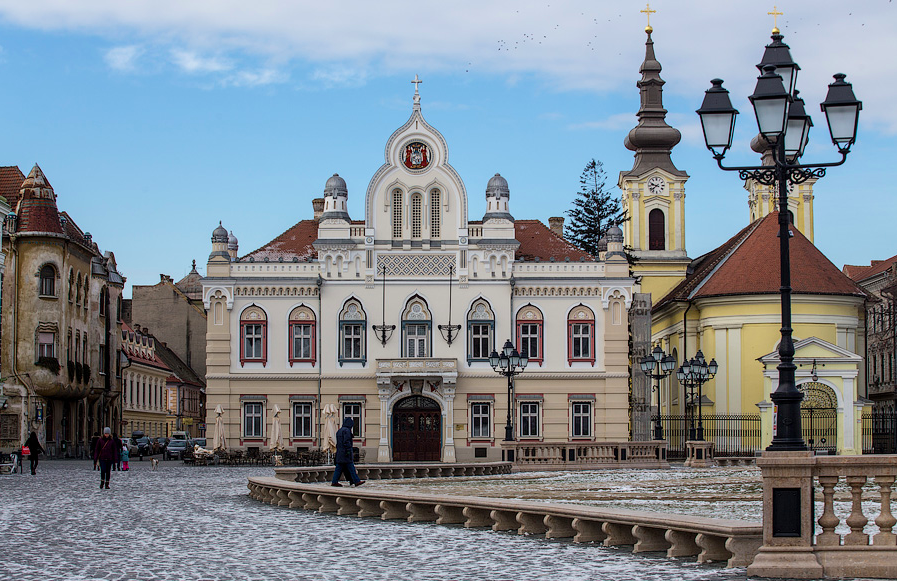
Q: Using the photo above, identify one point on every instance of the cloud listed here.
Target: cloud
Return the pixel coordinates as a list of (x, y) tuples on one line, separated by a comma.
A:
[(340, 76), (192, 63), (255, 78), (123, 58)]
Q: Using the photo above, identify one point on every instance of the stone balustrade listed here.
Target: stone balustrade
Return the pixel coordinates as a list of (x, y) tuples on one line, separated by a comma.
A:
[(582, 455), (395, 470), (708, 539), (791, 547)]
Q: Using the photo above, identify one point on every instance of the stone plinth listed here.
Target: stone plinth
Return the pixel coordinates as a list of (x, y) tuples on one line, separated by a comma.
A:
[(699, 454)]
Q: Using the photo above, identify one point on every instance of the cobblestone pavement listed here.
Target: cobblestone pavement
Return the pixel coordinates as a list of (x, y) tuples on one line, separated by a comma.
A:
[(198, 523)]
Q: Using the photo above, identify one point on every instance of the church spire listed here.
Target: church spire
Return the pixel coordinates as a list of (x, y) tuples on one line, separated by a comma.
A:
[(652, 139)]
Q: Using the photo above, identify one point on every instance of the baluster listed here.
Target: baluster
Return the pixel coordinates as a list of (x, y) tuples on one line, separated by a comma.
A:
[(857, 520), (885, 520), (828, 521)]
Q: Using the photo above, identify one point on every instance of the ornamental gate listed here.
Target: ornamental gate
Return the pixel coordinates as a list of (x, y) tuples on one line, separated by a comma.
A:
[(819, 416), (416, 430)]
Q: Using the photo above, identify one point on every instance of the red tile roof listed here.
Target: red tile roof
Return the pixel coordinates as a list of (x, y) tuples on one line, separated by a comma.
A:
[(860, 273), (748, 264), (11, 178), (295, 242), (131, 343), (37, 209), (538, 241)]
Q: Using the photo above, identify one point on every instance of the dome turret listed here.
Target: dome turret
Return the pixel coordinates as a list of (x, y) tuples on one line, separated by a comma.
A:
[(498, 195), (219, 244), (233, 245), (219, 234), (336, 197)]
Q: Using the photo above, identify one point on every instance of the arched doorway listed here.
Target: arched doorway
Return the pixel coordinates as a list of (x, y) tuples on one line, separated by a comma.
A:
[(819, 416), (416, 430)]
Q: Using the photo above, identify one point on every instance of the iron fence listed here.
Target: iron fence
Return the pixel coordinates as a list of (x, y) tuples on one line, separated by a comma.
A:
[(735, 435), (820, 429), (880, 432)]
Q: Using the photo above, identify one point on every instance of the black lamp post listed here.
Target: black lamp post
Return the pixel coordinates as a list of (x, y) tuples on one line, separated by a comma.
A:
[(509, 363), (658, 365), (384, 331), (693, 374), (783, 122), (449, 332)]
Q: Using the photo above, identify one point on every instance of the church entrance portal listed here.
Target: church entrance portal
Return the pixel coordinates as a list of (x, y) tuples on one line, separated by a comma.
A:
[(416, 430)]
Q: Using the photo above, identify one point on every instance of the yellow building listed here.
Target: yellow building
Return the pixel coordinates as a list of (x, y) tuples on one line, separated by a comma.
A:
[(726, 303)]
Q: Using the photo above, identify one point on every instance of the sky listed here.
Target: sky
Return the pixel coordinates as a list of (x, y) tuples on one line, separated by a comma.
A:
[(155, 119)]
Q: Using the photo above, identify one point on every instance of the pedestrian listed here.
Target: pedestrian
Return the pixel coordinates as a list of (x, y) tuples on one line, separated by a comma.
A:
[(344, 456), (34, 448), (107, 454), (125, 456), (93, 447)]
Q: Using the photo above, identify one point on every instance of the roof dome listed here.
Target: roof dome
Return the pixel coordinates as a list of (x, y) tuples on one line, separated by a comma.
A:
[(336, 186), (219, 234), (614, 234), (602, 244), (497, 187), (232, 242)]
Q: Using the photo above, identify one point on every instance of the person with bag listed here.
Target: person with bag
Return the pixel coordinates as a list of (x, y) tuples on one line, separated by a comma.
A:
[(106, 454), (344, 456), (32, 447)]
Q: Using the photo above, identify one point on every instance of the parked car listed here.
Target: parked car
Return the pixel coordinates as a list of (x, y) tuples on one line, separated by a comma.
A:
[(132, 446), (144, 448), (175, 450)]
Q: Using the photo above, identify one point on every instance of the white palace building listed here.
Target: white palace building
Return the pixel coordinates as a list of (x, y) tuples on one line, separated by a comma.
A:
[(356, 314)]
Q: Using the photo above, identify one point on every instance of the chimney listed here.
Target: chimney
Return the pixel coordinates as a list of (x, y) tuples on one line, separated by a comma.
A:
[(556, 224), (318, 205)]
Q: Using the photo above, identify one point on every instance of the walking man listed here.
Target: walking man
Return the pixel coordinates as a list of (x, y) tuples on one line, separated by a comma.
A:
[(106, 454), (344, 456)]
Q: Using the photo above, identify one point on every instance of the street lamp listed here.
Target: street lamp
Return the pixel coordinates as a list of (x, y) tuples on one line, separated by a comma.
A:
[(509, 363), (658, 365), (784, 124), (695, 373)]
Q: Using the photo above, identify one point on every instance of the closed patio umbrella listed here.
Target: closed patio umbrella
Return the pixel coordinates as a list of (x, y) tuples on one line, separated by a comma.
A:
[(219, 443), (331, 421), (276, 437)]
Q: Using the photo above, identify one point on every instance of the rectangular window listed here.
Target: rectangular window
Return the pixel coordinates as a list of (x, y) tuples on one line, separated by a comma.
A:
[(479, 421), (302, 342), (46, 345), (529, 420), (480, 340), (581, 340), (102, 362), (416, 341), (352, 341), (253, 419), (353, 410), (435, 214), (302, 420), (530, 340), (253, 342), (582, 419)]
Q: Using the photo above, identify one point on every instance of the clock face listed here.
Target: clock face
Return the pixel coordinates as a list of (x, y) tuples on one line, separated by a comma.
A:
[(656, 185)]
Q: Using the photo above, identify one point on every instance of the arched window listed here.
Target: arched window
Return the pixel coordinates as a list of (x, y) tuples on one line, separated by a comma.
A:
[(581, 335), (302, 335), (47, 281), (656, 230), (104, 296), (253, 336), (78, 290), (397, 200), (416, 203), (480, 331), (71, 285), (352, 325), (529, 333), (435, 214), (416, 327)]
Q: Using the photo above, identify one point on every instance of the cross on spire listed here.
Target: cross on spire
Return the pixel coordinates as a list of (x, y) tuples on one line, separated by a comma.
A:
[(416, 82), (775, 18), (648, 12)]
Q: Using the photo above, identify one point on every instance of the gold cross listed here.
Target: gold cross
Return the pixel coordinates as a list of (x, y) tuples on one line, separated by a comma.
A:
[(648, 12), (775, 17)]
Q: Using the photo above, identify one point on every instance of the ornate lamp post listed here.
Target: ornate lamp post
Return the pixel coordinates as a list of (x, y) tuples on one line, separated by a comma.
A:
[(658, 365), (695, 373), (449, 331), (509, 363), (784, 124), (384, 331)]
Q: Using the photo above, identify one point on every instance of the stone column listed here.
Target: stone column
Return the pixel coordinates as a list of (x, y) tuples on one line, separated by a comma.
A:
[(385, 416), (448, 451)]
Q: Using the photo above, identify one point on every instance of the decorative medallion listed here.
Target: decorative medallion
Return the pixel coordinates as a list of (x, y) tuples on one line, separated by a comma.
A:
[(416, 155)]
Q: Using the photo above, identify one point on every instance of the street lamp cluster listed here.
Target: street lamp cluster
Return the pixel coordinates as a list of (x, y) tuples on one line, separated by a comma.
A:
[(508, 363), (658, 365), (694, 373), (785, 125)]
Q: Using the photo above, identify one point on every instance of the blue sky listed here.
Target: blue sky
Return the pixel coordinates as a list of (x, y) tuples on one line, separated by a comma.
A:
[(154, 120)]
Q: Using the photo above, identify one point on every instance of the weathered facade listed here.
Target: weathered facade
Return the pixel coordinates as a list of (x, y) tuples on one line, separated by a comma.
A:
[(61, 333), (356, 313)]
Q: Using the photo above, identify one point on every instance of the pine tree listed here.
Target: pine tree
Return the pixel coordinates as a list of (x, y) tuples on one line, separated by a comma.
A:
[(595, 209)]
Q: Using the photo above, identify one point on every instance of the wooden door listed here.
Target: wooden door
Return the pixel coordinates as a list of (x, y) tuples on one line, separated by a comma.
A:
[(416, 430)]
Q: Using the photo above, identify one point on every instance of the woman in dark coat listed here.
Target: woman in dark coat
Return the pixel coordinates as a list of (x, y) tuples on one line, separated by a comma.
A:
[(34, 445), (344, 456), (106, 454)]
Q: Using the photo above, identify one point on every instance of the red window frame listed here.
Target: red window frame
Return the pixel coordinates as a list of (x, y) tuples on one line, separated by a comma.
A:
[(591, 357), (314, 351), (243, 358), (541, 358)]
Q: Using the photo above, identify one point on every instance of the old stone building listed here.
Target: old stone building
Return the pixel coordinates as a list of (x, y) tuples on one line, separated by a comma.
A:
[(392, 319), (144, 385), (61, 334)]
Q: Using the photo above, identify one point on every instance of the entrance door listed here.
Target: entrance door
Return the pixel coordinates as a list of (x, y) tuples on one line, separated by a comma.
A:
[(819, 416), (416, 430)]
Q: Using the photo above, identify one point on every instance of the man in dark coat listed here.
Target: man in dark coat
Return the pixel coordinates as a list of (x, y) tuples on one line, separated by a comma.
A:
[(344, 456), (33, 444)]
